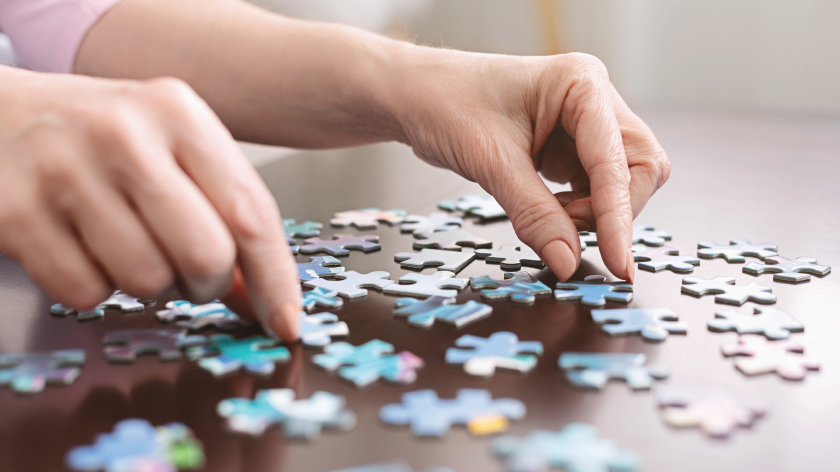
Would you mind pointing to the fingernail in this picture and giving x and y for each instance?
(581, 225)
(631, 266)
(560, 259)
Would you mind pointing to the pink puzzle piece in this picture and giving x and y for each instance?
(715, 412)
(762, 356)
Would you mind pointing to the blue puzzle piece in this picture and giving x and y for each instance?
(502, 350)
(257, 355)
(396, 466)
(431, 416)
(30, 372)
(197, 317)
(321, 297)
(319, 267)
(575, 448)
(302, 419)
(654, 324)
(367, 363)
(594, 370)
(307, 229)
(520, 287)
(594, 291)
(423, 313)
(315, 330)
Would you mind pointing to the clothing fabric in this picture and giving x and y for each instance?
(46, 34)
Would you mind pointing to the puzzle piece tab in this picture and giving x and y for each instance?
(315, 330)
(726, 291)
(773, 323)
(434, 222)
(29, 372)
(307, 229)
(257, 355)
(450, 240)
(423, 286)
(762, 357)
(736, 250)
(365, 364)
(367, 218)
(656, 259)
(647, 235)
(501, 350)
(575, 448)
(117, 301)
(198, 317)
(301, 419)
(126, 344)
(654, 324)
(511, 257)
(716, 413)
(321, 297)
(352, 284)
(326, 266)
(444, 260)
(339, 245)
(484, 206)
(424, 313)
(520, 287)
(594, 291)
(595, 369)
(430, 416)
(787, 270)
(137, 446)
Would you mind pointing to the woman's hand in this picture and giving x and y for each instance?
(498, 120)
(135, 185)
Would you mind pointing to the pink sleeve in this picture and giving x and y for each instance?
(46, 34)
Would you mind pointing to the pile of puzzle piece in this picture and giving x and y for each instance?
(764, 344)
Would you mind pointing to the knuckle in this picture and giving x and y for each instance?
(588, 65)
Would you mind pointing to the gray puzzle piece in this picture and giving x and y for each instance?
(422, 286)
(315, 330)
(656, 259)
(430, 416)
(367, 218)
(450, 240)
(736, 250)
(726, 291)
(595, 369)
(424, 313)
(511, 257)
(484, 206)
(117, 301)
(774, 323)
(594, 291)
(787, 270)
(654, 324)
(434, 222)
(125, 345)
(444, 260)
(520, 287)
(646, 234)
(340, 244)
(352, 284)
(29, 372)
(501, 350)
(326, 266)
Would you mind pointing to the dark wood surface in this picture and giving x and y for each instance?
(768, 180)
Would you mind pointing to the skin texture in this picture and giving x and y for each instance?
(496, 120)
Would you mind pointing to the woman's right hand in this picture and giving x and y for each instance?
(135, 185)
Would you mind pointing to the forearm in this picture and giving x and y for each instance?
(270, 79)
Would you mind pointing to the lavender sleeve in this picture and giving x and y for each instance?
(46, 34)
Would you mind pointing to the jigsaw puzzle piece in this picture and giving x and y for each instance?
(321, 297)
(257, 355)
(117, 301)
(450, 240)
(434, 222)
(787, 270)
(198, 317)
(736, 250)
(340, 244)
(647, 235)
(367, 218)
(444, 260)
(29, 372)
(369, 362)
(773, 323)
(575, 448)
(317, 267)
(594, 291)
(726, 291)
(137, 446)
(430, 416)
(352, 284)
(595, 369)
(126, 344)
(315, 330)
(307, 229)
(501, 350)
(422, 286)
(587, 238)
(511, 257)
(397, 466)
(424, 313)
(657, 259)
(654, 324)
(520, 287)
(484, 206)
(761, 356)
(714, 412)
